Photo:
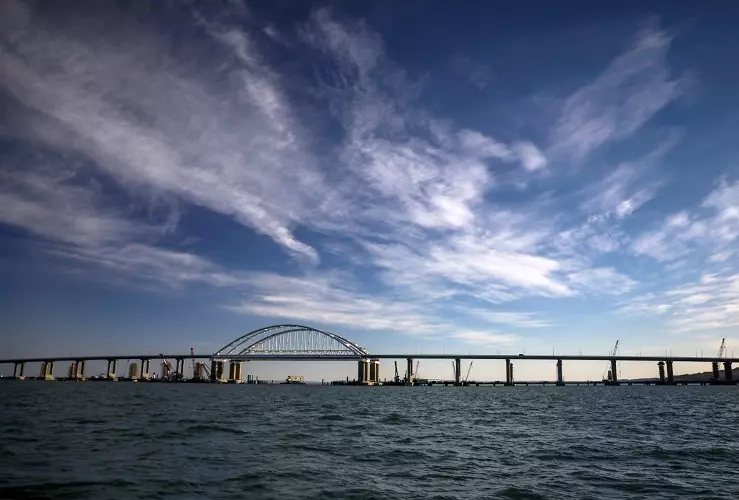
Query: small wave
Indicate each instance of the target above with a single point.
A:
(395, 419)
(513, 492)
(331, 417)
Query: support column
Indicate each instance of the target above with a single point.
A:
(360, 371)
(180, 368)
(508, 372)
(457, 371)
(376, 365)
(142, 369)
(18, 369)
(560, 377)
(728, 374)
(213, 374)
(81, 369)
(614, 372)
(670, 374)
(234, 372)
(409, 373)
(661, 367)
(111, 369)
(73, 370)
(714, 368)
(47, 370)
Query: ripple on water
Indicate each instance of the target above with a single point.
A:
(259, 442)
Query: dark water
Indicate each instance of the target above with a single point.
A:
(111, 441)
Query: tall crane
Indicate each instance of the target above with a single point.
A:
(613, 353)
(714, 365)
(397, 377)
(467, 377)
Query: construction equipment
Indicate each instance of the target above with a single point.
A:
(415, 373)
(167, 367)
(467, 377)
(714, 365)
(610, 377)
(397, 377)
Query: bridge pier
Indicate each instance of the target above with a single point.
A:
(508, 372)
(18, 369)
(714, 368)
(670, 373)
(216, 371)
(560, 377)
(144, 373)
(111, 369)
(614, 373)
(409, 371)
(360, 371)
(457, 371)
(77, 370)
(661, 368)
(728, 374)
(234, 372)
(374, 370)
(47, 370)
(179, 369)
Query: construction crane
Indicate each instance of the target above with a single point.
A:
(608, 370)
(397, 377)
(714, 365)
(467, 377)
(167, 366)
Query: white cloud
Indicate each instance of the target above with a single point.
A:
(634, 87)
(716, 226)
(329, 299)
(709, 303)
(153, 122)
(514, 319)
(485, 338)
(601, 280)
(530, 156)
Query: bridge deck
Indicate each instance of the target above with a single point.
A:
(318, 357)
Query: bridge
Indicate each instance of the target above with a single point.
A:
(305, 343)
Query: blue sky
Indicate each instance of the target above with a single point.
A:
(422, 177)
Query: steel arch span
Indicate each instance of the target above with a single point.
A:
(291, 340)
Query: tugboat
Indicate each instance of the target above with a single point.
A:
(293, 380)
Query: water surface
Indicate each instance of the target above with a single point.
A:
(120, 440)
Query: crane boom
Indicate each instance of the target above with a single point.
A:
(722, 349)
(467, 377)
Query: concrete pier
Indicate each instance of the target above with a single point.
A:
(375, 370)
(216, 371)
(714, 368)
(560, 376)
(234, 372)
(614, 373)
(133, 371)
(18, 369)
(47, 370)
(670, 374)
(728, 374)
(179, 369)
(457, 371)
(111, 372)
(77, 370)
(508, 372)
(144, 374)
(661, 368)
(409, 372)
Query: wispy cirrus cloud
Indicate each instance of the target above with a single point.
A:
(419, 201)
(714, 225)
(153, 121)
(635, 86)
